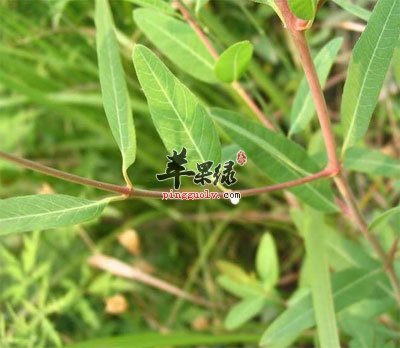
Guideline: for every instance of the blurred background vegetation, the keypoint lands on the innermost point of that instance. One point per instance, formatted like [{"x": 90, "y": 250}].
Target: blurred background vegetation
[{"x": 51, "y": 111}]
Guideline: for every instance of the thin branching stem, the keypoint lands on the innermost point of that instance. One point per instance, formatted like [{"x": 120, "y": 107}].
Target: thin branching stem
[
  {"x": 301, "y": 45},
  {"x": 141, "y": 193}
]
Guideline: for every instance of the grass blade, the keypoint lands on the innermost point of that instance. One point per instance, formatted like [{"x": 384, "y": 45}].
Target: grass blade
[
  {"x": 39, "y": 212},
  {"x": 113, "y": 86},
  {"x": 367, "y": 70},
  {"x": 177, "y": 339},
  {"x": 320, "y": 280},
  {"x": 349, "y": 287}
]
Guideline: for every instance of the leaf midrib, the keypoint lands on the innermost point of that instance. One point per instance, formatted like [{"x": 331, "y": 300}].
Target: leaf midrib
[
  {"x": 50, "y": 213},
  {"x": 170, "y": 102}
]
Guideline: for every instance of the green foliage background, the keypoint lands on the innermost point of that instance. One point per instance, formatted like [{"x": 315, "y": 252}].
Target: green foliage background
[{"x": 51, "y": 110}]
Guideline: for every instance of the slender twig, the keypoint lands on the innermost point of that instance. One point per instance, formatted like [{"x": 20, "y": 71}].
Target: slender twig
[
  {"x": 64, "y": 175},
  {"x": 121, "y": 269},
  {"x": 136, "y": 192},
  {"x": 303, "y": 51}
]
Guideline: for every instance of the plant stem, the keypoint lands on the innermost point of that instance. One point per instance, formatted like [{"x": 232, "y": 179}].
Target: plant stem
[
  {"x": 301, "y": 45},
  {"x": 136, "y": 193},
  {"x": 64, "y": 175}
]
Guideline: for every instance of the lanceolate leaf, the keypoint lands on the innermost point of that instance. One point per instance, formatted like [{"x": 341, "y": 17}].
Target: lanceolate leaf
[
  {"x": 267, "y": 262},
  {"x": 393, "y": 213},
  {"x": 39, "y": 212},
  {"x": 233, "y": 62},
  {"x": 178, "y": 42},
  {"x": 354, "y": 9},
  {"x": 113, "y": 86},
  {"x": 200, "y": 4},
  {"x": 349, "y": 286},
  {"x": 303, "y": 106},
  {"x": 244, "y": 311},
  {"x": 372, "y": 162},
  {"x": 314, "y": 236},
  {"x": 180, "y": 119},
  {"x": 304, "y": 9},
  {"x": 174, "y": 339},
  {"x": 158, "y": 5},
  {"x": 367, "y": 70},
  {"x": 279, "y": 158}
]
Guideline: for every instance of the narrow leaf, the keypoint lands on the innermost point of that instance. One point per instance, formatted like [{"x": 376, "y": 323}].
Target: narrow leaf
[
  {"x": 233, "y": 62},
  {"x": 372, "y": 162},
  {"x": 314, "y": 235},
  {"x": 303, "y": 106},
  {"x": 349, "y": 287},
  {"x": 178, "y": 42},
  {"x": 279, "y": 158},
  {"x": 113, "y": 86},
  {"x": 39, "y": 212},
  {"x": 396, "y": 63},
  {"x": 244, "y": 311},
  {"x": 354, "y": 9},
  {"x": 304, "y": 9},
  {"x": 393, "y": 213},
  {"x": 181, "y": 120},
  {"x": 367, "y": 70},
  {"x": 175, "y": 339},
  {"x": 200, "y": 4},
  {"x": 267, "y": 263},
  {"x": 158, "y": 5}
]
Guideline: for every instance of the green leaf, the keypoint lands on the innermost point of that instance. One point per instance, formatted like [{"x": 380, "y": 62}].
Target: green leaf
[
  {"x": 267, "y": 263},
  {"x": 314, "y": 236},
  {"x": 113, "y": 86},
  {"x": 238, "y": 288},
  {"x": 40, "y": 212},
  {"x": 177, "y": 40},
  {"x": 158, "y": 5},
  {"x": 200, "y": 4},
  {"x": 349, "y": 287},
  {"x": 389, "y": 214},
  {"x": 303, "y": 108},
  {"x": 367, "y": 70},
  {"x": 272, "y": 4},
  {"x": 233, "y": 62},
  {"x": 280, "y": 159},
  {"x": 304, "y": 9},
  {"x": 396, "y": 63},
  {"x": 353, "y": 9},
  {"x": 243, "y": 311},
  {"x": 233, "y": 271},
  {"x": 180, "y": 119},
  {"x": 372, "y": 162},
  {"x": 151, "y": 340},
  {"x": 345, "y": 253}
]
